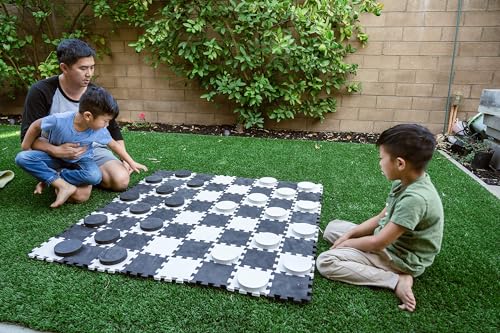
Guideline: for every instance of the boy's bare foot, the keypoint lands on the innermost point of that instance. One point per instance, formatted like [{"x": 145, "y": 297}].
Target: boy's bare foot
[
  {"x": 39, "y": 188},
  {"x": 405, "y": 293},
  {"x": 63, "y": 191}
]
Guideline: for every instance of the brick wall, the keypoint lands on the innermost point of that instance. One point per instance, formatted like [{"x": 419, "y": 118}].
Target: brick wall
[{"x": 404, "y": 72}]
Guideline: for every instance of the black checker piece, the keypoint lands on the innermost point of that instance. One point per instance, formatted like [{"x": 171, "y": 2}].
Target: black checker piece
[
  {"x": 129, "y": 195},
  {"x": 165, "y": 189},
  {"x": 140, "y": 208},
  {"x": 85, "y": 256},
  {"x": 95, "y": 220},
  {"x": 182, "y": 173},
  {"x": 68, "y": 247},
  {"x": 174, "y": 201},
  {"x": 195, "y": 182},
  {"x": 113, "y": 255},
  {"x": 107, "y": 236},
  {"x": 258, "y": 258},
  {"x": 153, "y": 179},
  {"x": 192, "y": 249},
  {"x": 151, "y": 224}
]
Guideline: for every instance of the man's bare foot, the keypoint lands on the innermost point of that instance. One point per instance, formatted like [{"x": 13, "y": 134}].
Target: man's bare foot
[
  {"x": 39, "y": 188},
  {"x": 405, "y": 293},
  {"x": 63, "y": 191}
]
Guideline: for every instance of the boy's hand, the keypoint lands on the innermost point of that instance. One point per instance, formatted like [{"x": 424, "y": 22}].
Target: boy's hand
[
  {"x": 340, "y": 240},
  {"x": 68, "y": 150},
  {"x": 137, "y": 167}
]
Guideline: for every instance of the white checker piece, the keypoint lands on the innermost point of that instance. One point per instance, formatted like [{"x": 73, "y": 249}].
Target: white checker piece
[
  {"x": 188, "y": 217},
  {"x": 209, "y": 196},
  {"x": 226, "y": 254},
  {"x": 178, "y": 269},
  {"x": 257, "y": 287},
  {"x": 204, "y": 233},
  {"x": 242, "y": 223},
  {"x": 296, "y": 265},
  {"x": 162, "y": 246}
]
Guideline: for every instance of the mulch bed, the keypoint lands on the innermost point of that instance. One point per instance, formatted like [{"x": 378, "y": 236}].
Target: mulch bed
[{"x": 490, "y": 177}]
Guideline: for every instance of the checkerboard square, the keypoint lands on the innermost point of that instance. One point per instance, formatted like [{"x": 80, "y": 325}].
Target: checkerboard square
[
  {"x": 162, "y": 246},
  {"x": 213, "y": 274},
  {"x": 144, "y": 265},
  {"x": 134, "y": 241},
  {"x": 235, "y": 237},
  {"x": 204, "y": 233},
  {"x": 209, "y": 196},
  {"x": 187, "y": 217},
  {"x": 238, "y": 189},
  {"x": 199, "y": 206},
  {"x": 242, "y": 223},
  {"x": 215, "y": 220},
  {"x": 193, "y": 249},
  {"x": 249, "y": 211},
  {"x": 164, "y": 214},
  {"x": 123, "y": 222},
  {"x": 176, "y": 230},
  {"x": 259, "y": 259},
  {"x": 178, "y": 269}
]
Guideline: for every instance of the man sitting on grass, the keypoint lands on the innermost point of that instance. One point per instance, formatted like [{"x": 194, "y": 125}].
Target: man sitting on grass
[{"x": 391, "y": 248}]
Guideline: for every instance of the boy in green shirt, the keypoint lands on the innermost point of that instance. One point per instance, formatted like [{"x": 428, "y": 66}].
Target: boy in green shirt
[{"x": 392, "y": 248}]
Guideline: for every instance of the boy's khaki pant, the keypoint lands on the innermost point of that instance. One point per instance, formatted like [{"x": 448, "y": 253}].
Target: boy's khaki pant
[{"x": 352, "y": 265}]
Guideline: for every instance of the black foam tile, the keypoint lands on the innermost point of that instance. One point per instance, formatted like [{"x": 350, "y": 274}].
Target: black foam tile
[
  {"x": 142, "y": 188},
  {"x": 215, "y": 220},
  {"x": 290, "y": 287},
  {"x": 213, "y": 274},
  {"x": 283, "y": 203},
  {"x": 165, "y": 214},
  {"x": 176, "y": 230},
  {"x": 174, "y": 182},
  {"x": 274, "y": 227},
  {"x": 134, "y": 241},
  {"x": 114, "y": 208},
  {"x": 144, "y": 265},
  {"x": 259, "y": 259},
  {"x": 299, "y": 246},
  {"x": 234, "y": 237},
  {"x": 204, "y": 176},
  {"x": 199, "y": 206},
  {"x": 215, "y": 187},
  {"x": 231, "y": 197},
  {"x": 123, "y": 222},
  {"x": 243, "y": 181},
  {"x": 300, "y": 217},
  {"x": 187, "y": 193},
  {"x": 192, "y": 249},
  {"x": 264, "y": 190},
  {"x": 249, "y": 211},
  {"x": 309, "y": 196},
  {"x": 77, "y": 232}
]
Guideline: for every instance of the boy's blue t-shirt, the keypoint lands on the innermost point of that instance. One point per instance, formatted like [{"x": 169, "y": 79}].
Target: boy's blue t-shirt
[{"x": 59, "y": 129}]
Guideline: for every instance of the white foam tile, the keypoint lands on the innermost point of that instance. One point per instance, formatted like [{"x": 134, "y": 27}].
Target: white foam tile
[
  {"x": 225, "y": 180},
  {"x": 242, "y": 223},
  {"x": 238, "y": 189},
  {"x": 162, "y": 246},
  {"x": 46, "y": 250},
  {"x": 205, "y": 233},
  {"x": 188, "y": 217},
  {"x": 209, "y": 196},
  {"x": 178, "y": 269}
]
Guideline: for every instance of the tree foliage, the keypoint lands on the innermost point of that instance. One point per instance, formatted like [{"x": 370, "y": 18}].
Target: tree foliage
[
  {"x": 274, "y": 58},
  {"x": 30, "y": 30}
]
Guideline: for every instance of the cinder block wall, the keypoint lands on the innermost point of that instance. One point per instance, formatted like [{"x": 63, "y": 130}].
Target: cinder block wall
[{"x": 404, "y": 71}]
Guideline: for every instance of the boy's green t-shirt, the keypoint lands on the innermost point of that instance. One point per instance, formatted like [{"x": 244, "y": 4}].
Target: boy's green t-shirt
[{"x": 419, "y": 210}]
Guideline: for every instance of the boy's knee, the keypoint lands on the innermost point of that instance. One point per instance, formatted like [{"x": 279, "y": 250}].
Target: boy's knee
[
  {"x": 21, "y": 158},
  {"x": 326, "y": 263}
]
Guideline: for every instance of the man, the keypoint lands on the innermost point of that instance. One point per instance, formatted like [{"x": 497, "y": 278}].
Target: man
[{"x": 62, "y": 93}]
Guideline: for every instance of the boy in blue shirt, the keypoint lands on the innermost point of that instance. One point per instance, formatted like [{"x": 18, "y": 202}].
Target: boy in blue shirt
[
  {"x": 392, "y": 248},
  {"x": 97, "y": 108}
]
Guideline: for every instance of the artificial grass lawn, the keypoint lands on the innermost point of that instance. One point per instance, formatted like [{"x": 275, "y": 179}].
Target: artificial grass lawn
[{"x": 459, "y": 293}]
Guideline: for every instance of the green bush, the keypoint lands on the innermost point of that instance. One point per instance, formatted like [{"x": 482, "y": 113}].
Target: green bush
[
  {"x": 30, "y": 30},
  {"x": 274, "y": 58}
]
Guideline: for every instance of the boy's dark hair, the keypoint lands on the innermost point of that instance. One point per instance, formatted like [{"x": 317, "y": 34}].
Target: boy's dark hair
[
  {"x": 412, "y": 142},
  {"x": 70, "y": 50},
  {"x": 99, "y": 102}
]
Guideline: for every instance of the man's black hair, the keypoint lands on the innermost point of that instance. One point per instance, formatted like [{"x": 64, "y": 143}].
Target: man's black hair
[
  {"x": 412, "y": 142},
  {"x": 98, "y": 101},
  {"x": 72, "y": 49}
]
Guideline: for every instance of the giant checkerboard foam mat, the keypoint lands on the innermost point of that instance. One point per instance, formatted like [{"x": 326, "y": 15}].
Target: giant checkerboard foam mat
[{"x": 252, "y": 236}]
